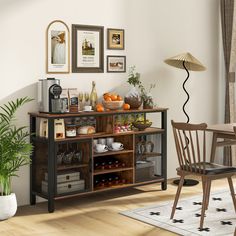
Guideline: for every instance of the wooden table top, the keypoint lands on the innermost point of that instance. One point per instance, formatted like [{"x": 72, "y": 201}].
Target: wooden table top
[{"x": 222, "y": 128}]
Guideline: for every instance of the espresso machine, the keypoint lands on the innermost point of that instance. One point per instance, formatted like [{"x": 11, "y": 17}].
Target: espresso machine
[{"x": 49, "y": 91}]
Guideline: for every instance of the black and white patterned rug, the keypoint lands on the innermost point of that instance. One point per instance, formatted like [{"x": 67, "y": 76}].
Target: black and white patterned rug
[{"x": 220, "y": 217}]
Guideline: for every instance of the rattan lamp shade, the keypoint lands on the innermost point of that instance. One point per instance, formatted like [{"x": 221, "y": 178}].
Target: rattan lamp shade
[{"x": 191, "y": 63}]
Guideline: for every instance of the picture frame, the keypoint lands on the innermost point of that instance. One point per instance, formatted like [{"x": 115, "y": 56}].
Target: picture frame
[
  {"x": 57, "y": 48},
  {"x": 115, "y": 39},
  {"x": 87, "y": 49},
  {"x": 116, "y": 64}
]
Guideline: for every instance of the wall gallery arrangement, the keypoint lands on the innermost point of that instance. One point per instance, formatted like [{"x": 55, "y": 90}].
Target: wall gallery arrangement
[{"x": 87, "y": 49}]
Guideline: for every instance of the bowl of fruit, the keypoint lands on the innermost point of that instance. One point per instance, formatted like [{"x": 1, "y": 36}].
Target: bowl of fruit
[
  {"x": 142, "y": 124},
  {"x": 112, "y": 101}
]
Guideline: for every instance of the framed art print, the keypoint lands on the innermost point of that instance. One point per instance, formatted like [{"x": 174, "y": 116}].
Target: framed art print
[
  {"x": 87, "y": 49},
  {"x": 116, "y": 39},
  {"x": 116, "y": 64},
  {"x": 57, "y": 48}
]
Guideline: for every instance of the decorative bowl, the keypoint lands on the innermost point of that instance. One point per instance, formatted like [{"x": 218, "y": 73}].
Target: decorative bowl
[
  {"x": 113, "y": 105},
  {"x": 140, "y": 125}
]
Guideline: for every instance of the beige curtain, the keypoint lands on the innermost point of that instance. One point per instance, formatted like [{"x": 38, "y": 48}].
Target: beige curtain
[{"x": 228, "y": 22}]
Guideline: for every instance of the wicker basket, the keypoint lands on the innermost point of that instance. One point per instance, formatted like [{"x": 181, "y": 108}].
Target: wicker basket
[{"x": 113, "y": 105}]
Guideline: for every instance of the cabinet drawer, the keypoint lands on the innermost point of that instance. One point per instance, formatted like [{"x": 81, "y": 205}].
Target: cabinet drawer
[
  {"x": 65, "y": 187},
  {"x": 66, "y": 177}
]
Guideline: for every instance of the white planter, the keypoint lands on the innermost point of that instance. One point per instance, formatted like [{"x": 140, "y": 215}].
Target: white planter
[{"x": 8, "y": 206}]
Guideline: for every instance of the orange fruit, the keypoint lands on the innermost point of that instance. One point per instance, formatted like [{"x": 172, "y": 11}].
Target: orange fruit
[
  {"x": 114, "y": 97},
  {"x": 105, "y": 95},
  {"x": 100, "y": 109},
  {"x": 108, "y": 99},
  {"x": 119, "y": 98},
  {"x": 126, "y": 106}
]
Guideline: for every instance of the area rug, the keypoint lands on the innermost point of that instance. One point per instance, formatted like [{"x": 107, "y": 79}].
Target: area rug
[{"x": 220, "y": 217}]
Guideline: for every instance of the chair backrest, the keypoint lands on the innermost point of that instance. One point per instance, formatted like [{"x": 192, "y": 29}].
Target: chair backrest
[{"x": 190, "y": 142}]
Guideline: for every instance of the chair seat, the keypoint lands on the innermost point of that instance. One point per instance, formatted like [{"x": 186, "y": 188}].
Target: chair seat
[{"x": 210, "y": 168}]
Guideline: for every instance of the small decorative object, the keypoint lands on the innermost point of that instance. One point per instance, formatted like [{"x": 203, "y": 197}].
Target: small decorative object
[
  {"x": 58, "y": 48},
  {"x": 116, "y": 64},
  {"x": 115, "y": 39},
  {"x": 93, "y": 96},
  {"x": 15, "y": 152},
  {"x": 87, "y": 49},
  {"x": 147, "y": 97},
  {"x": 133, "y": 98},
  {"x": 142, "y": 125}
]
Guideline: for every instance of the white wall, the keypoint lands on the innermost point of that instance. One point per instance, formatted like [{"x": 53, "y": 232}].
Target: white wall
[{"x": 154, "y": 31}]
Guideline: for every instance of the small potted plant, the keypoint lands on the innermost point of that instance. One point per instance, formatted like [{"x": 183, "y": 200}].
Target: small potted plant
[
  {"x": 133, "y": 97},
  {"x": 15, "y": 151},
  {"x": 146, "y": 96}
]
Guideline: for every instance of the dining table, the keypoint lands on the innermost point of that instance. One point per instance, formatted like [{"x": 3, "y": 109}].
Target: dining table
[{"x": 223, "y": 135}]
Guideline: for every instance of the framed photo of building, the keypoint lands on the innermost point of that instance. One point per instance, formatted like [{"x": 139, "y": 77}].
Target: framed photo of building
[
  {"x": 116, "y": 64},
  {"x": 116, "y": 39},
  {"x": 87, "y": 49},
  {"x": 57, "y": 48}
]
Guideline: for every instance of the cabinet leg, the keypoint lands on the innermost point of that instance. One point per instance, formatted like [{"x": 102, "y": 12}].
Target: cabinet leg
[
  {"x": 51, "y": 206},
  {"x": 32, "y": 199},
  {"x": 164, "y": 185}
]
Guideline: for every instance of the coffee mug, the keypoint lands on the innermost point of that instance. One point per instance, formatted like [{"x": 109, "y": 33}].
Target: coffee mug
[
  {"x": 116, "y": 145},
  {"x": 101, "y": 147},
  {"x": 87, "y": 108},
  {"x": 109, "y": 141},
  {"x": 102, "y": 141}
]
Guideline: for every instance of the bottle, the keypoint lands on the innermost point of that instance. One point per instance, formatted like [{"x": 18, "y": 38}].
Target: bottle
[{"x": 93, "y": 96}]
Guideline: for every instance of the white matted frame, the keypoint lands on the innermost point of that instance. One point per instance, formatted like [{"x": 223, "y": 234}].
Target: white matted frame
[
  {"x": 57, "y": 48},
  {"x": 116, "y": 64}
]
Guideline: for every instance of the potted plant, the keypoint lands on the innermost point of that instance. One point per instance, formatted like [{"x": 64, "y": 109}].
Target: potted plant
[
  {"x": 133, "y": 97},
  {"x": 146, "y": 96},
  {"x": 15, "y": 152}
]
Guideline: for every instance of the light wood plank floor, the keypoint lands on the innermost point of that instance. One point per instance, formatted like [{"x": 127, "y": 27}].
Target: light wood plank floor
[{"x": 96, "y": 214}]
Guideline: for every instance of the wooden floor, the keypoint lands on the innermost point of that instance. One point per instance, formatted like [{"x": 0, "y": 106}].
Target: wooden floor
[{"x": 96, "y": 214}]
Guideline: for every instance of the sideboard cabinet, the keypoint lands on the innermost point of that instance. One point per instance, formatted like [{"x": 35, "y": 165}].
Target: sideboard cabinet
[{"x": 64, "y": 167}]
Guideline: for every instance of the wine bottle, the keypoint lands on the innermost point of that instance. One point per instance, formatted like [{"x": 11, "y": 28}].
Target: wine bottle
[{"x": 93, "y": 96}]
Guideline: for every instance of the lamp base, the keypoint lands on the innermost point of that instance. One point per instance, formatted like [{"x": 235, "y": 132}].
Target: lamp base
[{"x": 187, "y": 182}]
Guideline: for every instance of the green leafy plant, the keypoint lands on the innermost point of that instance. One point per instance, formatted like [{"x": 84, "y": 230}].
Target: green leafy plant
[
  {"x": 15, "y": 149},
  {"x": 134, "y": 77}
]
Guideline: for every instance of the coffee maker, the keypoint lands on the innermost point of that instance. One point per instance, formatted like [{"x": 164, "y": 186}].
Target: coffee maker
[{"x": 49, "y": 91}]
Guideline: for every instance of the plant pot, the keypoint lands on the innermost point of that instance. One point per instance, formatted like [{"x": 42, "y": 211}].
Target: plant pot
[
  {"x": 148, "y": 102},
  {"x": 133, "y": 98},
  {"x": 8, "y": 206}
]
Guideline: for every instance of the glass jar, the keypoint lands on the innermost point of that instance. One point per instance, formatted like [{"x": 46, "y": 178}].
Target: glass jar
[{"x": 70, "y": 130}]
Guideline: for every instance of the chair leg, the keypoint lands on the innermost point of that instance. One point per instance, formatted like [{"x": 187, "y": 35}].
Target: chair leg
[
  {"x": 204, "y": 201},
  {"x": 231, "y": 186},
  {"x": 208, "y": 195},
  {"x": 181, "y": 182}
]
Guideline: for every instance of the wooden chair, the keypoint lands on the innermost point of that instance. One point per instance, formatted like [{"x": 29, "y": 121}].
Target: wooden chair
[{"x": 190, "y": 142}]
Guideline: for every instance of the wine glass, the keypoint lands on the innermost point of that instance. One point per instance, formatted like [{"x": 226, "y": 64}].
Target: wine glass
[
  {"x": 86, "y": 97},
  {"x": 81, "y": 97}
]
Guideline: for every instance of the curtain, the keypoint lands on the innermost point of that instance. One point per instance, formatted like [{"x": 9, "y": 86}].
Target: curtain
[{"x": 228, "y": 22}]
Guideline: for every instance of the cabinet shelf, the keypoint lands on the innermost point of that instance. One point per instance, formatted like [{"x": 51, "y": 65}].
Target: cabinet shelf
[
  {"x": 109, "y": 153},
  {"x": 101, "y": 172},
  {"x": 151, "y": 154},
  {"x": 72, "y": 166}
]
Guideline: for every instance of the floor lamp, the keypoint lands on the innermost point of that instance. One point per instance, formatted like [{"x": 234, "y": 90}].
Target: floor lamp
[{"x": 188, "y": 62}]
